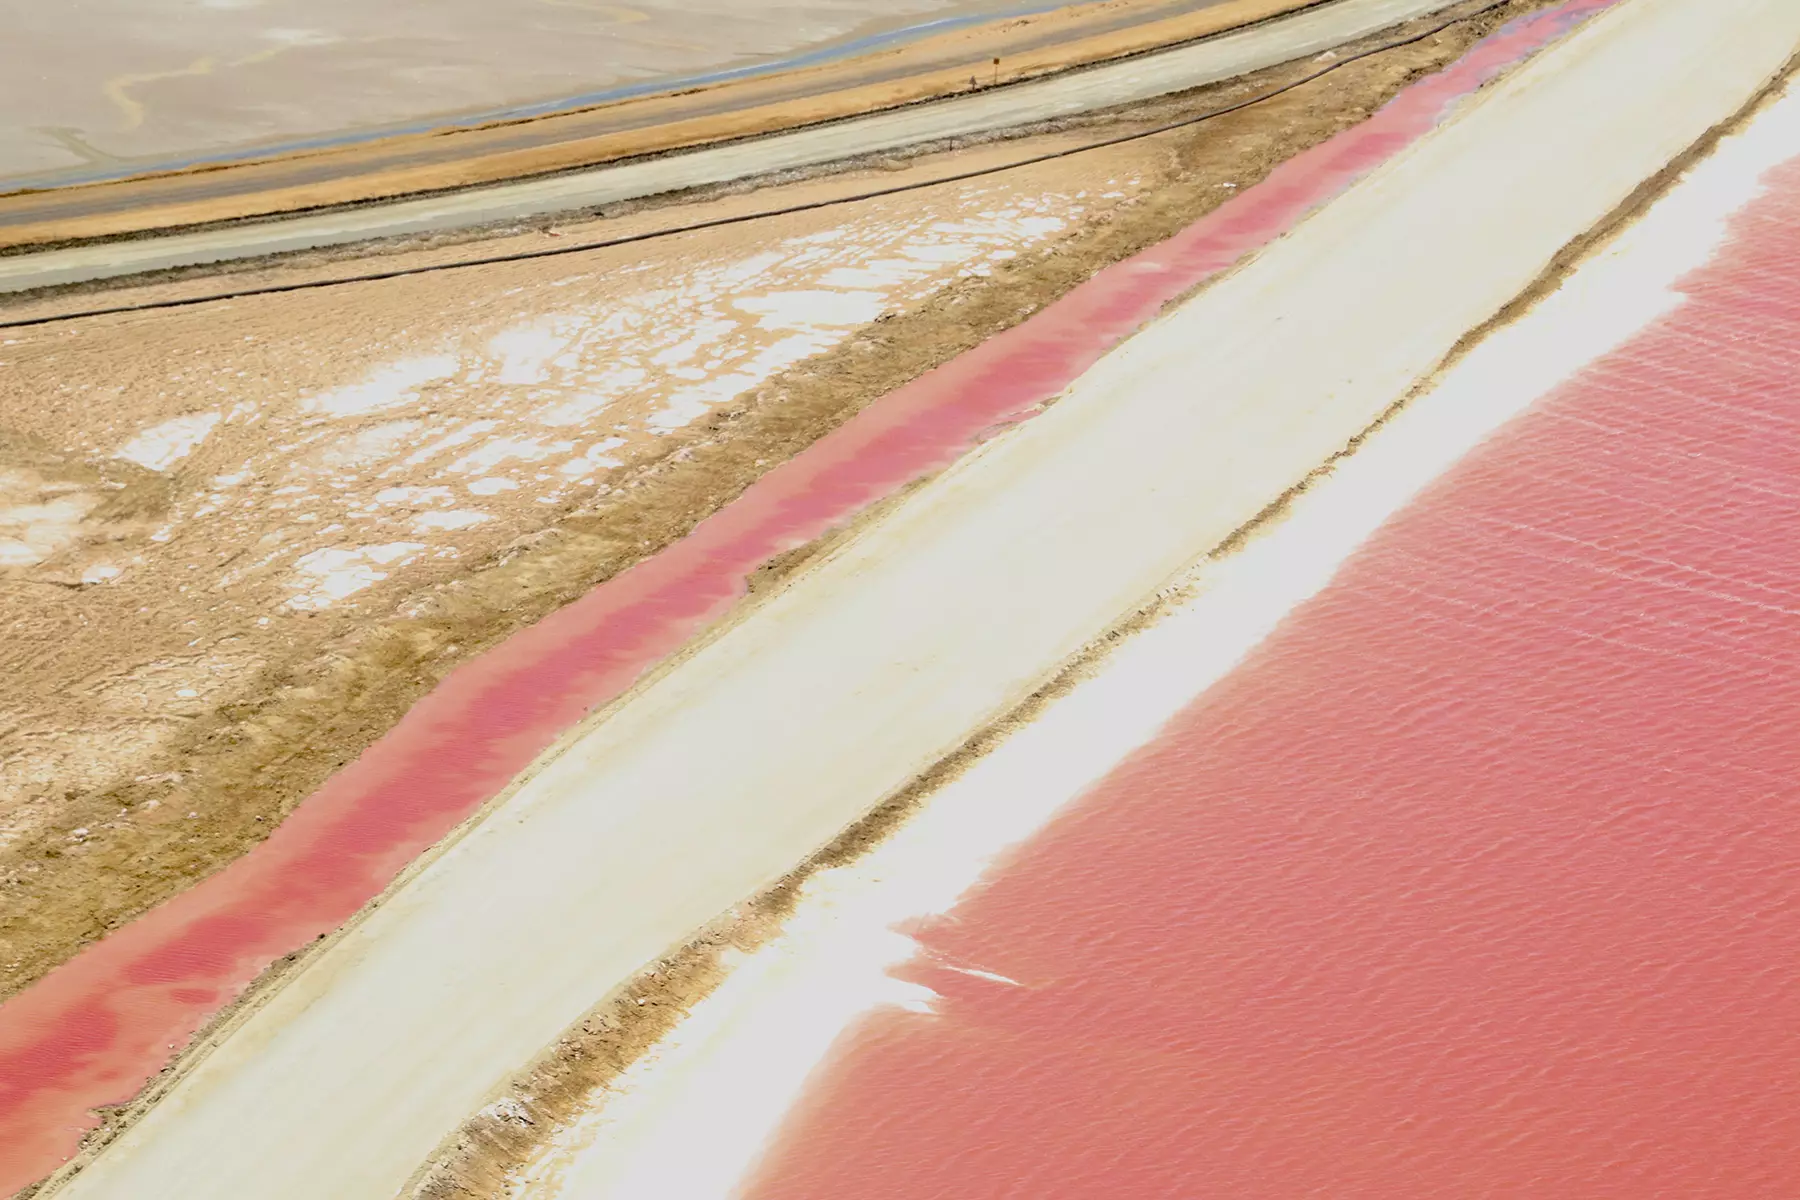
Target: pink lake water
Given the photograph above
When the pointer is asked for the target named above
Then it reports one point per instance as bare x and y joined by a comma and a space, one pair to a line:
1479, 878
94, 1031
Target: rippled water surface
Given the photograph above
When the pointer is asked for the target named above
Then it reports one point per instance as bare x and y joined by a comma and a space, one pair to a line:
1478, 879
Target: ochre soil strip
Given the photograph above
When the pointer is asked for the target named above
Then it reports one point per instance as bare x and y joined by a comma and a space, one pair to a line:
1475, 879
1027, 47
94, 1031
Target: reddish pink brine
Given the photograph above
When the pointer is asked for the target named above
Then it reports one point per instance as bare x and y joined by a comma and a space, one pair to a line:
1480, 878
94, 1031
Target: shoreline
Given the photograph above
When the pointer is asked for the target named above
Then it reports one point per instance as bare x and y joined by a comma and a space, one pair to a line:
388, 167
804, 491
829, 51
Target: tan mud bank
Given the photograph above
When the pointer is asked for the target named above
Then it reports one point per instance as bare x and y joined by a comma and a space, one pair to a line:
112, 88
949, 65
878, 660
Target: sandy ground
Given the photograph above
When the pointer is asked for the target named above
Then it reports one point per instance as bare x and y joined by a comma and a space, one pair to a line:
1322, 363
110, 81
241, 539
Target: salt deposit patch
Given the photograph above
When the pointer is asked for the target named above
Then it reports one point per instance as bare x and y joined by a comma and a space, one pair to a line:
526, 351
787, 310
371, 445
610, 390
413, 495
502, 449
31, 533
162, 446
492, 486
386, 387
437, 522
598, 458
327, 576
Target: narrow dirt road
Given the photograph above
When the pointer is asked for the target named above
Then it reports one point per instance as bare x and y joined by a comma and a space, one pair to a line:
1307, 33
656, 116
761, 745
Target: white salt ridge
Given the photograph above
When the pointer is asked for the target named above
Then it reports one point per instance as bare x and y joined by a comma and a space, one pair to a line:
725, 1077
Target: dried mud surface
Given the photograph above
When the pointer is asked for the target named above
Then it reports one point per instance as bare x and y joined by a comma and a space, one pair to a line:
164, 700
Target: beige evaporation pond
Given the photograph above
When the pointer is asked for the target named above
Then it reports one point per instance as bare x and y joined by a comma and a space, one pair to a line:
102, 88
